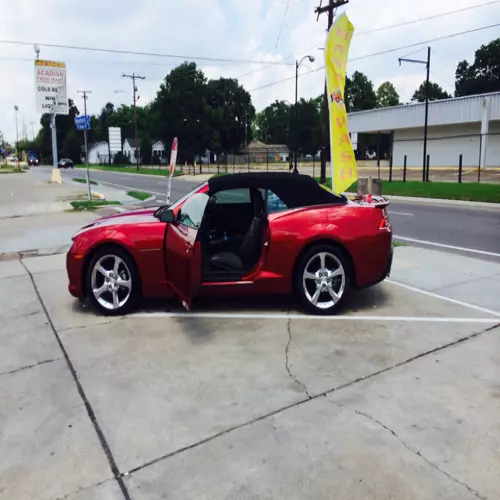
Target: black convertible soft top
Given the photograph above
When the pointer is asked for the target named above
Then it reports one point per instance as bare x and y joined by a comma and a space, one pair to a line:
294, 190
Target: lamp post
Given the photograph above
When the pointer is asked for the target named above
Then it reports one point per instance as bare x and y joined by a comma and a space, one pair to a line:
297, 66
425, 168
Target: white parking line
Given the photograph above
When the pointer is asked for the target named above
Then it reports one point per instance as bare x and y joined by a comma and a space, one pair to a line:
405, 214
449, 247
394, 319
447, 299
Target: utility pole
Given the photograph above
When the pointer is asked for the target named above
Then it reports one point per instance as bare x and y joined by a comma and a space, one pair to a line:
425, 167
16, 109
32, 130
330, 8
135, 77
85, 94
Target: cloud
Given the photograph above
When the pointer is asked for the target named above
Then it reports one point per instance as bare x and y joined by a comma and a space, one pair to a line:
224, 29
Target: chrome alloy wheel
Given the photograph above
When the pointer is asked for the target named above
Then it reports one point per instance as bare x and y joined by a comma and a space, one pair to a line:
324, 280
111, 282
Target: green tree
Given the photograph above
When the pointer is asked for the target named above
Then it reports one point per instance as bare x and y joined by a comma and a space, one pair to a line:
64, 123
308, 126
436, 93
274, 123
359, 93
146, 151
230, 114
180, 110
483, 75
387, 95
71, 147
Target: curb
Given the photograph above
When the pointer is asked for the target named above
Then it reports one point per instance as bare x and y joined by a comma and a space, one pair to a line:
132, 173
440, 201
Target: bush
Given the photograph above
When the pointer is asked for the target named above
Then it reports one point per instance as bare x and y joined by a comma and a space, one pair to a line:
121, 159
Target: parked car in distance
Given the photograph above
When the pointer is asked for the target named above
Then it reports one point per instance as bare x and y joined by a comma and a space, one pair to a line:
240, 234
12, 159
65, 163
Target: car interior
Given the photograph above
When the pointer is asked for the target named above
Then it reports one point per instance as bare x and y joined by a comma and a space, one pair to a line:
232, 233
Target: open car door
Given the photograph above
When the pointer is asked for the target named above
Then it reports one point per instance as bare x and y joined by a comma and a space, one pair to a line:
183, 249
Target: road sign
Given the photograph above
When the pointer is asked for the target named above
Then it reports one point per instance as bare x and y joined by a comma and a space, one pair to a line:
173, 160
82, 122
50, 87
173, 156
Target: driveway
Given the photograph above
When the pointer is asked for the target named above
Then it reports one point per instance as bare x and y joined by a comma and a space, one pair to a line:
397, 398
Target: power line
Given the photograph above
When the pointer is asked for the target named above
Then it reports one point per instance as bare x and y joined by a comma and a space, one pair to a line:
423, 19
388, 51
132, 52
282, 24
384, 28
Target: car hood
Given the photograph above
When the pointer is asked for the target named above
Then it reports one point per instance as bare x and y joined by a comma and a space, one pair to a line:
141, 216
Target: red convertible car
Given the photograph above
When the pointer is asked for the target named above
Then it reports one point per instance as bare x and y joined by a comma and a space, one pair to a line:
243, 234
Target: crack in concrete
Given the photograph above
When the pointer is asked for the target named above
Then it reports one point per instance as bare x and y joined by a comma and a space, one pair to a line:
409, 360
287, 359
213, 437
415, 451
85, 488
90, 411
45, 362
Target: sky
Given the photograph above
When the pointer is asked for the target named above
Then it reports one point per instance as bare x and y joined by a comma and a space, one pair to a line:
269, 35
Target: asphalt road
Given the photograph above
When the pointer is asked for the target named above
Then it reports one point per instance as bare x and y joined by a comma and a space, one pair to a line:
153, 184
472, 231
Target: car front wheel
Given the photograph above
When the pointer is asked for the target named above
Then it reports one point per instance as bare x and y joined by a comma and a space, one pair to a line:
112, 282
323, 279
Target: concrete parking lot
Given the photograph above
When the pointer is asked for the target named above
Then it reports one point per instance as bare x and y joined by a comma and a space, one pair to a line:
397, 398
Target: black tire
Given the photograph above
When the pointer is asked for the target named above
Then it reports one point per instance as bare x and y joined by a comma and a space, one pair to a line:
128, 271
341, 283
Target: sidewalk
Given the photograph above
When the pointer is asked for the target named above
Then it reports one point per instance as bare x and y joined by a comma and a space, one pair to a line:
35, 215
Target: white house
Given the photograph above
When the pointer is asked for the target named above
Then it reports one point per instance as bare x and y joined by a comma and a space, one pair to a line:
129, 149
159, 149
98, 153
467, 126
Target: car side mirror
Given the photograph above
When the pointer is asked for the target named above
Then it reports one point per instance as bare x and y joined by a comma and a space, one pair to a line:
167, 216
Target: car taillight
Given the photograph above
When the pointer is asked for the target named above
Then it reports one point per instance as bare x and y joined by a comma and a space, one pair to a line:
385, 223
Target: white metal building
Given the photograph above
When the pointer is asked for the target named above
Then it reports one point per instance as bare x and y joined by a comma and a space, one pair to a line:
468, 126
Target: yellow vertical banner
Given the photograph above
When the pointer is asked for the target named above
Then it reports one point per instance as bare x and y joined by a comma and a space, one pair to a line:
344, 170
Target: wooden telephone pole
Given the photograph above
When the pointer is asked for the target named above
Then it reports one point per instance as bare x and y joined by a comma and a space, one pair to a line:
330, 9
135, 98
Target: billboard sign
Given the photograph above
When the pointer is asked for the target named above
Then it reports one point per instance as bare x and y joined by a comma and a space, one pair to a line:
115, 140
50, 87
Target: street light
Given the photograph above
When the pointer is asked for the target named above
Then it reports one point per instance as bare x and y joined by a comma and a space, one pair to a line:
297, 66
425, 168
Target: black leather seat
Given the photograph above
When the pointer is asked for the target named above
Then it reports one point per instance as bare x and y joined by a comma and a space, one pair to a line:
250, 248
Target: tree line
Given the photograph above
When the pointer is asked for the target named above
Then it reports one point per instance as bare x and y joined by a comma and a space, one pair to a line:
218, 115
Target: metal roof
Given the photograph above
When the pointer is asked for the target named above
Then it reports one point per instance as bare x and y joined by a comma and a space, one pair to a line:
444, 112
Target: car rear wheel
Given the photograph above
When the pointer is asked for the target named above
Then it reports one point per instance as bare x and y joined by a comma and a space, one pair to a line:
112, 282
323, 279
